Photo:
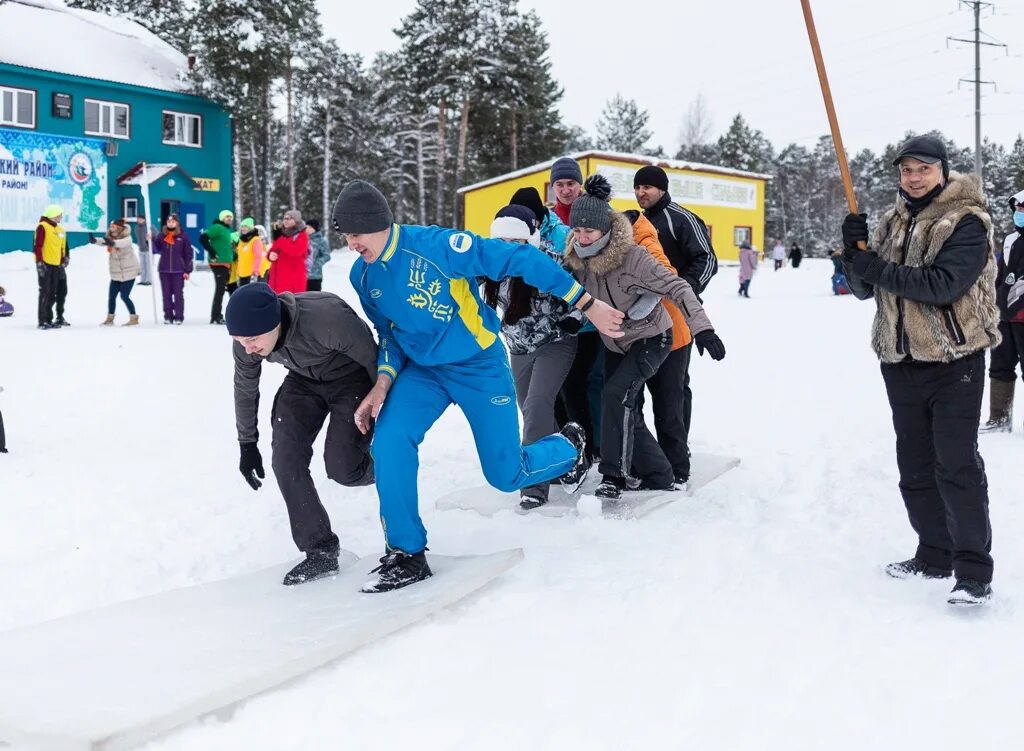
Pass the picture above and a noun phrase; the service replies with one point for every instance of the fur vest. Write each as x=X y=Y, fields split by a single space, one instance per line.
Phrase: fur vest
x=908 y=329
x=623 y=271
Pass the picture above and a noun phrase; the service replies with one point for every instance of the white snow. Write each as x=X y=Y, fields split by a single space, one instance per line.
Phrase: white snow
x=47 y=35
x=754 y=615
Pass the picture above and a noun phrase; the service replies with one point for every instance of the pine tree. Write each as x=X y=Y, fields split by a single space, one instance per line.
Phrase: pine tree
x=623 y=126
x=742 y=147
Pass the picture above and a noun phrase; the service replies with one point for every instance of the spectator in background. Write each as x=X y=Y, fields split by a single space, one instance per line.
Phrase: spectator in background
x=145 y=254
x=288 y=255
x=216 y=239
x=51 y=249
x=252 y=253
x=124 y=269
x=795 y=255
x=748 y=265
x=6 y=309
x=839 y=285
x=319 y=254
x=175 y=265
x=779 y=254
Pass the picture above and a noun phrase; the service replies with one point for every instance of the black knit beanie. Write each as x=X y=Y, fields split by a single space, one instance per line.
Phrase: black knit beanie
x=530 y=198
x=253 y=310
x=361 y=209
x=566 y=168
x=651 y=175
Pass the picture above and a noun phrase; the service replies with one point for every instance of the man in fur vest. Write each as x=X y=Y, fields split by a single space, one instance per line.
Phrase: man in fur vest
x=931 y=271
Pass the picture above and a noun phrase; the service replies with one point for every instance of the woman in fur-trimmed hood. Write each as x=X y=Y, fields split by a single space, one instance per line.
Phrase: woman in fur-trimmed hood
x=931 y=273
x=604 y=258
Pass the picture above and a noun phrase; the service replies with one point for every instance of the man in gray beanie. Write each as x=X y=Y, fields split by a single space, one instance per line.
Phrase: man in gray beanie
x=331 y=360
x=438 y=344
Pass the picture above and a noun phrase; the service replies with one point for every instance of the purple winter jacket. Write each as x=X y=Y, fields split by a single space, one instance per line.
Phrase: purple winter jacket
x=175 y=258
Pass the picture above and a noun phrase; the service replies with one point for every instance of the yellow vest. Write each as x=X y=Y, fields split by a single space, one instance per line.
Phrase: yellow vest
x=247 y=257
x=53 y=244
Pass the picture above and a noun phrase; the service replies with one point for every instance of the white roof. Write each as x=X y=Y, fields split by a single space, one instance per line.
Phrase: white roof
x=150 y=175
x=47 y=35
x=621 y=156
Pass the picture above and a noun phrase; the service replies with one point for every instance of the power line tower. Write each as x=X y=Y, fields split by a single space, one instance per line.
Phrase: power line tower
x=978 y=42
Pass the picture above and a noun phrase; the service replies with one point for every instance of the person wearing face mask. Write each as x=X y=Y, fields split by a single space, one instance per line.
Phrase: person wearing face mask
x=606 y=260
x=1010 y=352
x=931 y=271
x=540 y=333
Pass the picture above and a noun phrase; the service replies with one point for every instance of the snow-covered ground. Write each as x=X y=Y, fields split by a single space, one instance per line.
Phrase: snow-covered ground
x=754 y=615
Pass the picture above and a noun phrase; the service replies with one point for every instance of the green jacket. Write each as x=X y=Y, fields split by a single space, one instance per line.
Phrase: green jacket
x=216 y=239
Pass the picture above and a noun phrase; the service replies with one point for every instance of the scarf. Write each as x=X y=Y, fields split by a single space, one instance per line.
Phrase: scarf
x=589 y=251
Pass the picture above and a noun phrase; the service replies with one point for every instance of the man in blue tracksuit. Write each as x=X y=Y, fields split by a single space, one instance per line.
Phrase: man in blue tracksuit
x=438 y=345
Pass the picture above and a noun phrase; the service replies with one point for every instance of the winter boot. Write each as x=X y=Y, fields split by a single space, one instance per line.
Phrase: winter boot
x=572 y=479
x=397 y=570
x=133 y=320
x=611 y=487
x=318 y=564
x=969 y=592
x=916 y=567
x=61 y=322
x=1000 y=419
x=109 y=321
x=532 y=498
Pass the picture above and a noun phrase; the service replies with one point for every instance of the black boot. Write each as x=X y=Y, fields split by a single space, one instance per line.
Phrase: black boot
x=970 y=592
x=1000 y=394
x=572 y=479
x=318 y=564
x=531 y=499
x=916 y=567
x=611 y=487
x=397 y=570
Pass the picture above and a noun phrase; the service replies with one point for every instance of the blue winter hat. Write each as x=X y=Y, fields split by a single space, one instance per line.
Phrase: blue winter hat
x=566 y=168
x=253 y=310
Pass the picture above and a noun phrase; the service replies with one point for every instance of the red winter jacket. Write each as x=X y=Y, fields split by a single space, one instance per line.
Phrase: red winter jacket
x=288 y=272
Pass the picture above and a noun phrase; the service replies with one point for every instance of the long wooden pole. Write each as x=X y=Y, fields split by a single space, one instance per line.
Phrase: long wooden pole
x=833 y=122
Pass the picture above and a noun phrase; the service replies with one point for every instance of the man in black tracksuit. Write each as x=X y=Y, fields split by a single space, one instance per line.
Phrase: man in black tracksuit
x=931 y=272
x=331 y=359
x=685 y=240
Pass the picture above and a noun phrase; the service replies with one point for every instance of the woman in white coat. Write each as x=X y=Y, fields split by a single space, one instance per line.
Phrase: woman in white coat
x=124 y=269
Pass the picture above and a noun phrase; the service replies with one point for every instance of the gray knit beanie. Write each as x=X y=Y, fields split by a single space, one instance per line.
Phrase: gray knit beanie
x=566 y=168
x=361 y=209
x=591 y=210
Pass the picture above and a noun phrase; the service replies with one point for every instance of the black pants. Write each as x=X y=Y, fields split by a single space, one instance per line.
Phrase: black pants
x=62 y=292
x=1009 y=353
x=936 y=408
x=49 y=281
x=220 y=283
x=3 y=436
x=300 y=408
x=626 y=440
x=669 y=401
x=575 y=391
x=314 y=285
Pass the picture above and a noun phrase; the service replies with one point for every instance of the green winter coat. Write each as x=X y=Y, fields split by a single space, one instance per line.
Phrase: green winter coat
x=218 y=243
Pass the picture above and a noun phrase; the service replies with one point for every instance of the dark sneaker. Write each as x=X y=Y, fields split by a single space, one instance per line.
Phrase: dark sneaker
x=317 y=565
x=397 y=570
x=681 y=480
x=1001 y=424
x=969 y=592
x=217 y=321
x=61 y=322
x=528 y=501
x=916 y=567
x=611 y=487
x=572 y=479
x=47 y=326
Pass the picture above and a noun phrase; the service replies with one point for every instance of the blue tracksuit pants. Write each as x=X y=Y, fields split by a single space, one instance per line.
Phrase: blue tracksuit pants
x=483 y=389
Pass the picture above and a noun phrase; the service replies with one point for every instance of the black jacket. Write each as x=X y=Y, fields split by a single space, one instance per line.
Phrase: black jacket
x=322 y=339
x=1015 y=267
x=685 y=240
x=955 y=270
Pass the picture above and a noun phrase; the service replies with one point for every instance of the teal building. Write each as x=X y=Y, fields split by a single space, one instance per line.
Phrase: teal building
x=95 y=116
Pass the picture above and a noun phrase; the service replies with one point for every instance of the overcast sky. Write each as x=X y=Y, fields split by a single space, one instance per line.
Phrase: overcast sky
x=888 y=63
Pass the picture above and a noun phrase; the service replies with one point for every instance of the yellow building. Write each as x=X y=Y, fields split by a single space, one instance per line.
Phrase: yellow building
x=731 y=202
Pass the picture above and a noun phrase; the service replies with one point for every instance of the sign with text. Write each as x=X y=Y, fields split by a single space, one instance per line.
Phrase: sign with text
x=687 y=188
x=37 y=169
x=61 y=105
x=210 y=184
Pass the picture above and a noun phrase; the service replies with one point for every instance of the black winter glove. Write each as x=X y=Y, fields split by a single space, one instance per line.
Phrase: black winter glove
x=251 y=465
x=570 y=325
x=708 y=340
x=855 y=229
x=860 y=260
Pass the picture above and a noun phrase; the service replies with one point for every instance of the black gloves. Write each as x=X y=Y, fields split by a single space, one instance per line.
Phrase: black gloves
x=855 y=229
x=708 y=340
x=860 y=260
x=569 y=325
x=251 y=465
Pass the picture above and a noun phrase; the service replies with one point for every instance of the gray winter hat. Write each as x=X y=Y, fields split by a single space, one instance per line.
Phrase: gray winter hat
x=566 y=168
x=591 y=210
x=360 y=209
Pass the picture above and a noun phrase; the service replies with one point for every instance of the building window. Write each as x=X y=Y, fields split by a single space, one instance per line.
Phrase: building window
x=742 y=235
x=130 y=208
x=17 y=107
x=183 y=129
x=106 y=119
